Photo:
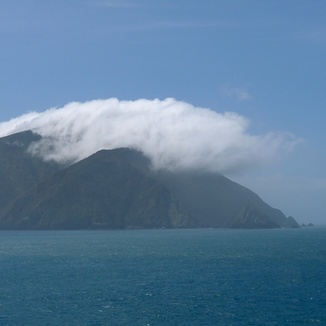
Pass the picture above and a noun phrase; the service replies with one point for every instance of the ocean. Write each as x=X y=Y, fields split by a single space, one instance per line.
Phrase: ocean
x=163 y=277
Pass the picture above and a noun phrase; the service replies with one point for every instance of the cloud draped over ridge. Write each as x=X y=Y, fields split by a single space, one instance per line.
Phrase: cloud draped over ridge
x=174 y=135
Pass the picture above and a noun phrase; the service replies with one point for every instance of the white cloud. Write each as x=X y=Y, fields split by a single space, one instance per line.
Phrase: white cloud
x=175 y=135
x=239 y=93
x=315 y=36
x=114 y=3
x=214 y=24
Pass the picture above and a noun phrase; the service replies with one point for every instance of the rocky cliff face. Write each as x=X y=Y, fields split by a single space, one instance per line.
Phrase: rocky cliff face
x=116 y=189
x=251 y=218
x=217 y=201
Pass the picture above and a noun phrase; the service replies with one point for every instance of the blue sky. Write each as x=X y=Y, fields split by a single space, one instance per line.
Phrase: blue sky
x=264 y=60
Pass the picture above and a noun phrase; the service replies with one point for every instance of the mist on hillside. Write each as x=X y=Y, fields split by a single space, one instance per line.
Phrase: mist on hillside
x=174 y=135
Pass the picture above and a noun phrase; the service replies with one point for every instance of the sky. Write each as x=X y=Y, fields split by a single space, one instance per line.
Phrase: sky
x=239 y=79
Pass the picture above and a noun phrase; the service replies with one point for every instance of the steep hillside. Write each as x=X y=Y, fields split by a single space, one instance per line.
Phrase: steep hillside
x=117 y=189
x=217 y=201
x=102 y=191
x=19 y=170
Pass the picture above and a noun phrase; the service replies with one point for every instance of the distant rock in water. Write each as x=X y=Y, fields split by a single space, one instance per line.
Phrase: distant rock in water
x=308 y=225
x=117 y=189
x=292 y=223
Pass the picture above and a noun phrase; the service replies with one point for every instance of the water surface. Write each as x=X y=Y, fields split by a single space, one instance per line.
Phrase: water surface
x=163 y=277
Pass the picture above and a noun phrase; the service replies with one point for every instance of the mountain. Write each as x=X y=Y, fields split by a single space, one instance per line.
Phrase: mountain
x=102 y=191
x=19 y=170
x=219 y=201
x=117 y=189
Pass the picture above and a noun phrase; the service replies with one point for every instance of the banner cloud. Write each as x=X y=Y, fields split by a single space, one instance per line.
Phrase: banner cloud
x=174 y=135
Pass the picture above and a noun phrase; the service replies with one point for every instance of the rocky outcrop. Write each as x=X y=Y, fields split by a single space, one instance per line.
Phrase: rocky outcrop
x=251 y=218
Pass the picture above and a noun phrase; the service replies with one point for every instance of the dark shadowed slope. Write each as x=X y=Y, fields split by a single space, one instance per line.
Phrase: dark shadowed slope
x=118 y=189
x=19 y=170
x=101 y=191
x=219 y=202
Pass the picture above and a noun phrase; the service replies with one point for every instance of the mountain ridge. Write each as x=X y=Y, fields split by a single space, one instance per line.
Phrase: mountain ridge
x=117 y=189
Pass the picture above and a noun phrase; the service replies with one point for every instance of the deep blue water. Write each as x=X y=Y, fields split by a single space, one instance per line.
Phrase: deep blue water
x=163 y=277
